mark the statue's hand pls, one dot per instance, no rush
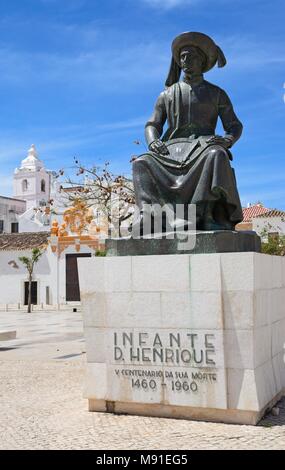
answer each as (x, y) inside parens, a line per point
(219, 140)
(157, 146)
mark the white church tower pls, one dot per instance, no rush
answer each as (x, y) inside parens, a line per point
(32, 181)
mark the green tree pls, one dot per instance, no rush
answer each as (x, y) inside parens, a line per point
(29, 264)
(274, 246)
(272, 243)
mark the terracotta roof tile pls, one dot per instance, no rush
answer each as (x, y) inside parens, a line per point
(272, 213)
(253, 211)
(73, 189)
(23, 241)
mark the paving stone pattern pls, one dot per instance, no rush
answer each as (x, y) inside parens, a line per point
(41, 403)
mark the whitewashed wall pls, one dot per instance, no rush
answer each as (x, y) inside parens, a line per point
(272, 224)
(14, 275)
(33, 194)
(49, 271)
(9, 210)
(33, 222)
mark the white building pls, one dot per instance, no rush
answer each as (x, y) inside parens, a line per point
(55, 277)
(13, 275)
(271, 223)
(39, 218)
(32, 182)
(249, 212)
(46, 200)
(265, 222)
(10, 210)
(35, 185)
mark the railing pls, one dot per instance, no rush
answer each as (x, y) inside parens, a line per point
(40, 307)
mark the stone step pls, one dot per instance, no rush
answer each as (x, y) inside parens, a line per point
(7, 335)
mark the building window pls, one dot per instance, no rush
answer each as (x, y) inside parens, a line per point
(43, 186)
(25, 186)
(14, 227)
(1, 226)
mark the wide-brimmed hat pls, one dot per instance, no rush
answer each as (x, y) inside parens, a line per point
(213, 54)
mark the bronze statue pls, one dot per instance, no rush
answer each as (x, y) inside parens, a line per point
(190, 164)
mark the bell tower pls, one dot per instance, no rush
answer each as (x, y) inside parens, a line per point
(32, 180)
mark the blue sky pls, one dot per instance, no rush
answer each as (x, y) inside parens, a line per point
(80, 77)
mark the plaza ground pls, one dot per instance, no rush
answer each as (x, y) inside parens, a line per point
(42, 405)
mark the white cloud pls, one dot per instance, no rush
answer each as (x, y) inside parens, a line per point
(106, 57)
(273, 198)
(246, 52)
(141, 63)
(6, 184)
(254, 179)
(168, 4)
(51, 142)
(11, 150)
(66, 4)
(126, 67)
(125, 124)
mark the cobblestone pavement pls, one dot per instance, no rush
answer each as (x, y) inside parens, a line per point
(43, 335)
(41, 404)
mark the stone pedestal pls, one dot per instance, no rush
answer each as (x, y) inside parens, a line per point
(185, 336)
(190, 242)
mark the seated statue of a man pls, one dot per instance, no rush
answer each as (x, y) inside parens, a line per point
(190, 164)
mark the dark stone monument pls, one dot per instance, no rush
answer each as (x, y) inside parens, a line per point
(220, 241)
(189, 164)
(178, 335)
